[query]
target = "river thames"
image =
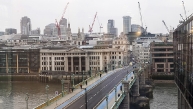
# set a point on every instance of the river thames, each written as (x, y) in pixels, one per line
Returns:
(164, 96)
(12, 95)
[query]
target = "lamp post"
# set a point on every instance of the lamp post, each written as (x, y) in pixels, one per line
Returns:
(26, 99)
(107, 100)
(85, 98)
(115, 94)
(73, 80)
(47, 86)
(83, 77)
(62, 81)
(127, 75)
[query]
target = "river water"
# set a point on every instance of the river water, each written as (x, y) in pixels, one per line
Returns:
(164, 96)
(12, 95)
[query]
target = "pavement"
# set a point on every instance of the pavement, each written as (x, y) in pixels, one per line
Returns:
(75, 92)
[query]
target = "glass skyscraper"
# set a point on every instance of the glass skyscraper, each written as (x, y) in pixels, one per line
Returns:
(183, 63)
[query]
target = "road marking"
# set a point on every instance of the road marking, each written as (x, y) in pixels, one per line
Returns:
(81, 106)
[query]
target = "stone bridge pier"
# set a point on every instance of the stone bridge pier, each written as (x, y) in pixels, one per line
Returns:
(135, 97)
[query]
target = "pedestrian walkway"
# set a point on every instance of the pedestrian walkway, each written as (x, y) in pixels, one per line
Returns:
(77, 92)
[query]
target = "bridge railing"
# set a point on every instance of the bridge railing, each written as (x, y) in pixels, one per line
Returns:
(119, 100)
(101, 103)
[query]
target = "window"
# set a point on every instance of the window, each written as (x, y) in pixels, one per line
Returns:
(119, 57)
(171, 65)
(160, 65)
(160, 70)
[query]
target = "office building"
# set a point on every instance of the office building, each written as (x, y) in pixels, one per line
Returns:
(9, 31)
(49, 29)
(183, 43)
(111, 28)
(126, 24)
(19, 60)
(25, 25)
(35, 32)
(2, 33)
(162, 58)
(63, 22)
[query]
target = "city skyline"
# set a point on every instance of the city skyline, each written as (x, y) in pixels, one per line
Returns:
(78, 16)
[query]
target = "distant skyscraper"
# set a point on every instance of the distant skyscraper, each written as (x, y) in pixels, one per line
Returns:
(35, 32)
(126, 24)
(10, 31)
(63, 22)
(2, 33)
(49, 29)
(25, 25)
(111, 27)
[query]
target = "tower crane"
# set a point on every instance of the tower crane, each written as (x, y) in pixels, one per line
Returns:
(90, 27)
(182, 17)
(140, 15)
(100, 25)
(64, 11)
(57, 24)
(166, 26)
(184, 9)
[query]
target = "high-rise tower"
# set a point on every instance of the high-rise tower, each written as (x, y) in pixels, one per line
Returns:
(111, 27)
(25, 25)
(126, 24)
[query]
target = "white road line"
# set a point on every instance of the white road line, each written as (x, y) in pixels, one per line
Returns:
(81, 106)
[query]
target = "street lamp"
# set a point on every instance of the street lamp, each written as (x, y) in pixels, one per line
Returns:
(47, 86)
(62, 81)
(26, 99)
(127, 76)
(107, 100)
(85, 98)
(73, 80)
(115, 94)
(83, 77)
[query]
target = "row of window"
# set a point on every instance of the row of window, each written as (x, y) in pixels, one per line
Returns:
(63, 53)
(118, 42)
(94, 63)
(91, 57)
(50, 63)
(114, 57)
(94, 57)
(56, 68)
(80, 53)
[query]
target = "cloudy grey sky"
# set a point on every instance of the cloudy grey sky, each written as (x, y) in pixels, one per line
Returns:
(80, 13)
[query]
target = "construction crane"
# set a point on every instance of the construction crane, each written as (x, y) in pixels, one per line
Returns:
(57, 24)
(100, 25)
(64, 11)
(140, 15)
(184, 9)
(90, 27)
(166, 26)
(182, 17)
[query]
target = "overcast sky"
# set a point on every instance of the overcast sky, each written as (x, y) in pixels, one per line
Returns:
(80, 13)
